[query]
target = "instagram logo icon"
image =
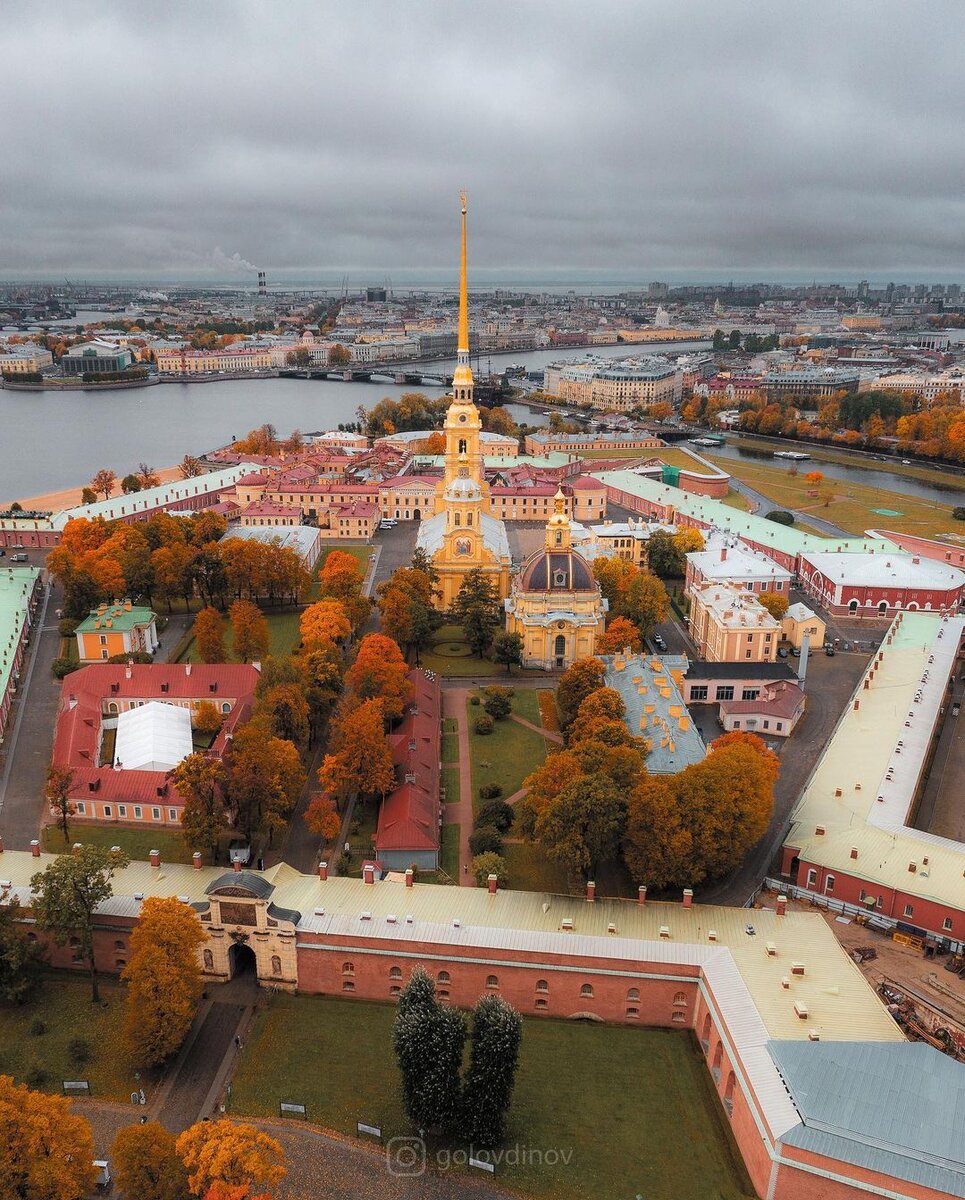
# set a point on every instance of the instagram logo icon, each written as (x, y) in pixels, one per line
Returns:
(406, 1156)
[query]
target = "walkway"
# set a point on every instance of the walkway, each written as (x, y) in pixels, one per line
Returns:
(546, 733)
(454, 701)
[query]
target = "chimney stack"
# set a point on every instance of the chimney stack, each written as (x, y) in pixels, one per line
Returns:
(236, 863)
(1, 843)
(723, 554)
(642, 894)
(35, 848)
(368, 873)
(688, 897)
(492, 882)
(155, 857)
(590, 891)
(781, 905)
(196, 860)
(323, 870)
(409, 877)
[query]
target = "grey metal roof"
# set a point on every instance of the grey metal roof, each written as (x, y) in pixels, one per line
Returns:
(251, 881)
(895, 1107)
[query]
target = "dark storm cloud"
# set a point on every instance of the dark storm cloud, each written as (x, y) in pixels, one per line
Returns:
(686, 135)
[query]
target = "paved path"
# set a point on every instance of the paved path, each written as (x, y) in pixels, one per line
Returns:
(454, 702)
(30, 739)
(547, 733)
(513, 799)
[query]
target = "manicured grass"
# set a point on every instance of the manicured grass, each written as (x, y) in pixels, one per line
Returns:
(449, 850)
(736, 500)
(852, 504)
(282, 632)
(450, 747)
(617, 1103)
(526, 704)
(512, 752)
(138, 843)
(531, 870)
(64, 1005)
(547, 710)
(450, 781)
(450, 655)
(891, 466)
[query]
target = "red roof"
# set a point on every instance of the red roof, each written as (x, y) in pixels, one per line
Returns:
(780, 699)
(86, 693)
(586, 483)
(409, 817)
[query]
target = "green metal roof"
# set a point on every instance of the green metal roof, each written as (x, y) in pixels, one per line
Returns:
(16, 588)
(117, 618)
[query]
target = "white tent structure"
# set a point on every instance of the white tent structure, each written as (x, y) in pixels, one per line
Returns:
(153, 737)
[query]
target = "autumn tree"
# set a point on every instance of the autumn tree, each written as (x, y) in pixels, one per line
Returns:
(209, 630)
(250, 637)
(57, 792)
(477, 609)
(380, 672)
(46, 1151)
(67, 894)
(129, 484)
(340, 576)
(776, 603)
(583, 826)
(282, 711)
(324, 621)
(163, 978)
(199, 781)
(406, 604)
(602, 702)
(264, 780)
(322, 818)
(360, 758)
(230, 1152)
(322, 667)
(619, 635)
(146, 1165)
(189, 467)
(701, 822)
(206, 719)
(647, 602)
(576, 683)
(21, 960)
(614, 576)
(103, 482)
(147, 476)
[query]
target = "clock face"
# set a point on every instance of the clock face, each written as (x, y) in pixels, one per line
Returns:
(463, 546)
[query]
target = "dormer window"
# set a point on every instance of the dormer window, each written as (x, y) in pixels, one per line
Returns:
(559, 579)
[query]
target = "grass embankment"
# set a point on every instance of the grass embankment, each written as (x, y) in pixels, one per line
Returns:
(64, 1006)
(510, 752)
(867, 462)
(640, 1096)
(137, 843)
(851, 505)
(736, 500)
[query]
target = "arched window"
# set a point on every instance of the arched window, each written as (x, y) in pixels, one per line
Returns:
(633, 1013)
(457, 518)
(395, 972)
(443, 994)
(492, 981)
(729, 1093)
(463, 446)
(120, 963)
(275, 964)
(680, 998)
(348, 968)
(587, 991)
(542, 1003)
(542, 985)
(882, 606)
(852, 606)
(348, 986)
(118, 945)
(226, 708)
(560, 644)
(705, 1033)
(444, 977)
(468, 518)
(633, 994)
(31, 937)
(395, 990)
(208, 959)
(112, 707)
(718, 1059)
(559, 537)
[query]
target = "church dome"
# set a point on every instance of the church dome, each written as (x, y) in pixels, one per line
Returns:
(556, 571)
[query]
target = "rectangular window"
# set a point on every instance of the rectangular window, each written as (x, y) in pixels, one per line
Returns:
(156, 814)
(750, 637)
(750, 693)
(122, 810)
(103, 639)
(137, 811)
(947, 923)
(767, 724)
(780, 726)
(767, 637)
(108, 811)
(812, 878)
(81, 808)
(699, 692)
(909, 910)
(172, 814)
(748, 654)
(725, 692)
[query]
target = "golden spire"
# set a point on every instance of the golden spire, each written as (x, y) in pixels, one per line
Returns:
(462, 378)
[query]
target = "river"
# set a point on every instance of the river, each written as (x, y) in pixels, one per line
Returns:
(55, 439)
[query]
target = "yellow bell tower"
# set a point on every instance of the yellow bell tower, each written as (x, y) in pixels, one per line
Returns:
(462, 536)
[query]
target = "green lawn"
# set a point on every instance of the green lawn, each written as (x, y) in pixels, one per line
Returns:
(449, 850)
(526, 704)
(736, 500)
(282, 632)
(851, 505)
(64, 1005)
(450, 781)
(138, 843)
(530, 870)
(617, 1104)
(509, 753)
(450, 747)
(450, 655)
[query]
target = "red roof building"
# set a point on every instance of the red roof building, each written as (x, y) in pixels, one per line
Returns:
(408, 829)
(92, 700)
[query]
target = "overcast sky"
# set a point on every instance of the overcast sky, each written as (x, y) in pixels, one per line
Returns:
(688, 136)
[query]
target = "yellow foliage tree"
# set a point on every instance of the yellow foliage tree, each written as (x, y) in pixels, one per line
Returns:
(46, 1151)
(324, 621)
(236, 1154)
(146, 1163)
(163, 978)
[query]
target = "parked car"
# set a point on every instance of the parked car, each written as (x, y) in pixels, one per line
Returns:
(829, 650)
(659, 642)
(782, 652)
(18, 558)
(795, 652)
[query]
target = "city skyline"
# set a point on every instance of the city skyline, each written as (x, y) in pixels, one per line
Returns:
(695, 144)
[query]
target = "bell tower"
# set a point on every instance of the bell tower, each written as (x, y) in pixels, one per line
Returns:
(558, 533)
(463, 424)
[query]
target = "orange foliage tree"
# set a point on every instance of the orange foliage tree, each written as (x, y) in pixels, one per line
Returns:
(322, 818)
(209, 631)
(146, 1164)
(233, 1153)
(45, 1150)
(361, 760)
(250, 629)
(323, 621)
(619, 634)
(380, 672)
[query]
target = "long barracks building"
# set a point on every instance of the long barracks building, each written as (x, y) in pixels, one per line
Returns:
(824, 1096)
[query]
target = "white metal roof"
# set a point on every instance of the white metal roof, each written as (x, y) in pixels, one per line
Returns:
(152, 737)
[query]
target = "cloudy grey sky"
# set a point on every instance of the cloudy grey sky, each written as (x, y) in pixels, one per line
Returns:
(687, 136)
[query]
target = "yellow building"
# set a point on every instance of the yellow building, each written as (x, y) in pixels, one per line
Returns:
(555, 604)
(461, 536)
(731, 625)
(800, 622)
(116, 629)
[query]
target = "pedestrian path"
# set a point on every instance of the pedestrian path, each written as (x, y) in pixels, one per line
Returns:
(454, 702)
(547, 733)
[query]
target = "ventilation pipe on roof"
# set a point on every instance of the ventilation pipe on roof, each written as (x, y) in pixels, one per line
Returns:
(196, 860)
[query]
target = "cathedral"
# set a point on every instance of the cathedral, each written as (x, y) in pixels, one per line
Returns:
(554, 602)
(462, 536)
